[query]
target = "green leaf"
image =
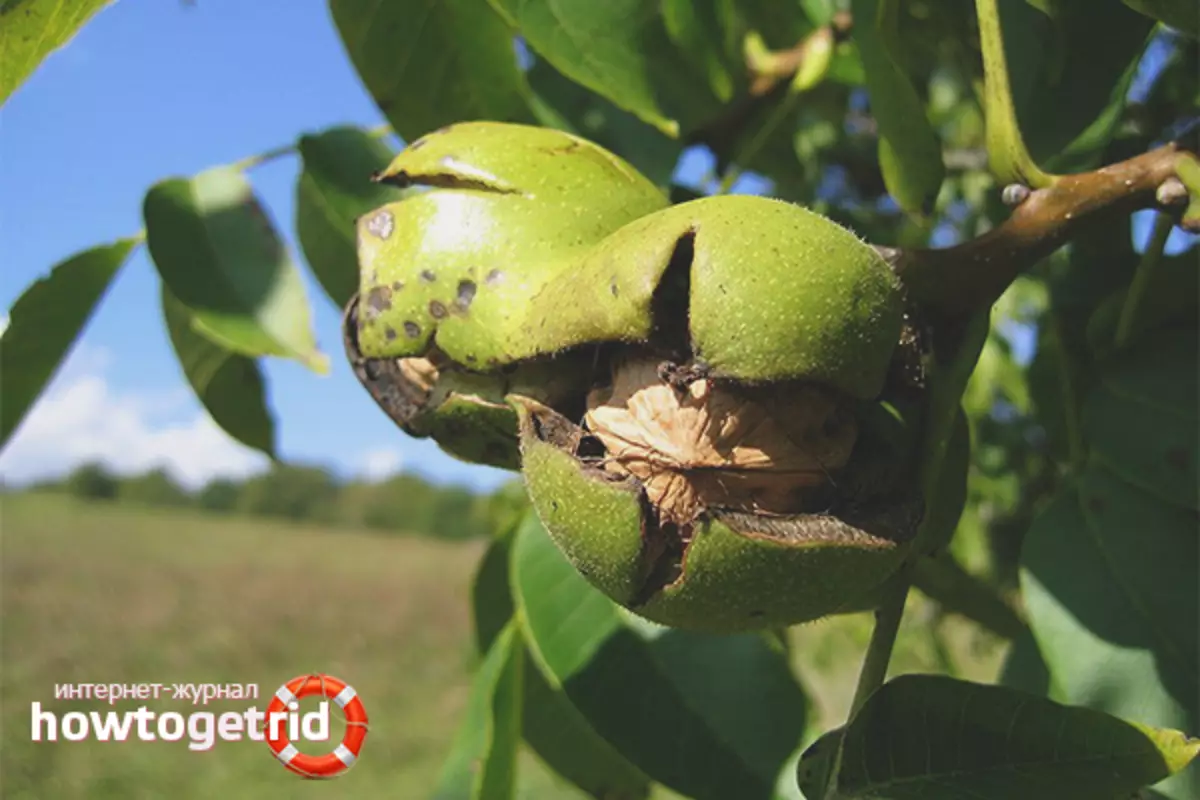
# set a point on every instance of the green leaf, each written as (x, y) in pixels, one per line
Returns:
(229, 385)
(812, 771)
(663, 698)
(551, 725)
(1182, 15)
(695, 29)
(1008, 155)
(1169, 296)
(334, 189)
(1110, 582)
(46, 320)
(1069, 74)
(563, 104)
(430, 63)
(482, 764)
(31, 29)
(218, 252)
(909, 150)
(931, 736)
(604, 46)
(1141, 421)
(1026, 670)
(943, 580)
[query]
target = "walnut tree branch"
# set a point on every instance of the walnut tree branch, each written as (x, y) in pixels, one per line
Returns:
(970, 276)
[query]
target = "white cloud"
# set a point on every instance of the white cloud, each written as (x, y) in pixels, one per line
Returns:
(83, 418)
(378, 465)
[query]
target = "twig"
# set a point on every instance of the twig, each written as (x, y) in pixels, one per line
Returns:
(879, 655)
(961, 279)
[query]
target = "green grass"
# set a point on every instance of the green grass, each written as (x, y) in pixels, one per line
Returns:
(110, 594)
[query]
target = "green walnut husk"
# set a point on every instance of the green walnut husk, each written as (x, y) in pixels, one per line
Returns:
(510, 208)
(438, 332)
(714, 402)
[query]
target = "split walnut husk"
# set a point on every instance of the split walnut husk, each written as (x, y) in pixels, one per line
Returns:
(716, 506)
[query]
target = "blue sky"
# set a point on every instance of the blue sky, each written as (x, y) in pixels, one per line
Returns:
(149, 89)
(152, 88)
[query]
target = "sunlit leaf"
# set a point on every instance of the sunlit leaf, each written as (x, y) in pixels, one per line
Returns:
(45, 321)
(551, 725)
(909, 150)
(429, 63)
(230, 386)
(31, 29)
(483, 759)
(568, 106)
(663, 698)
(219, 253)
(606, 46)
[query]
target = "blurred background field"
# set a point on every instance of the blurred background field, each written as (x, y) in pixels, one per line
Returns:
(97, 591)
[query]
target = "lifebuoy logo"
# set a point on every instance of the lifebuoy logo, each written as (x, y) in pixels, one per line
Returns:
(283, 708)
(281, 725)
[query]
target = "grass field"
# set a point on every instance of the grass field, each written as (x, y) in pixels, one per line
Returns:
(97, 594)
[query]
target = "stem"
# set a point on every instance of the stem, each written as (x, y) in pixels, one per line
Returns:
(258, 159)
(1141, 278)
(879, 653)
(1010, 158)
(883, 639)
(961, 279)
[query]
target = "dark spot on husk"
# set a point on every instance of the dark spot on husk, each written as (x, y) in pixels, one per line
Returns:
(379, 300)
(418, 144)
(412, 330)
(397, 286)
(612, 287)
(389, 334)
(428, 276)
(471, 357)
(437, 310)
(493, 277)
(381, 223)
(466, 293)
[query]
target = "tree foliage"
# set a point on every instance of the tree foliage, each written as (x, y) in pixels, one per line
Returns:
(994, 153)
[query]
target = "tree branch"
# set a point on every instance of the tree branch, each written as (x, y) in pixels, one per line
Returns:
(961, 279)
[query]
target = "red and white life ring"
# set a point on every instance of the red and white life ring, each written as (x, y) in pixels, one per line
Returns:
(345, 754)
